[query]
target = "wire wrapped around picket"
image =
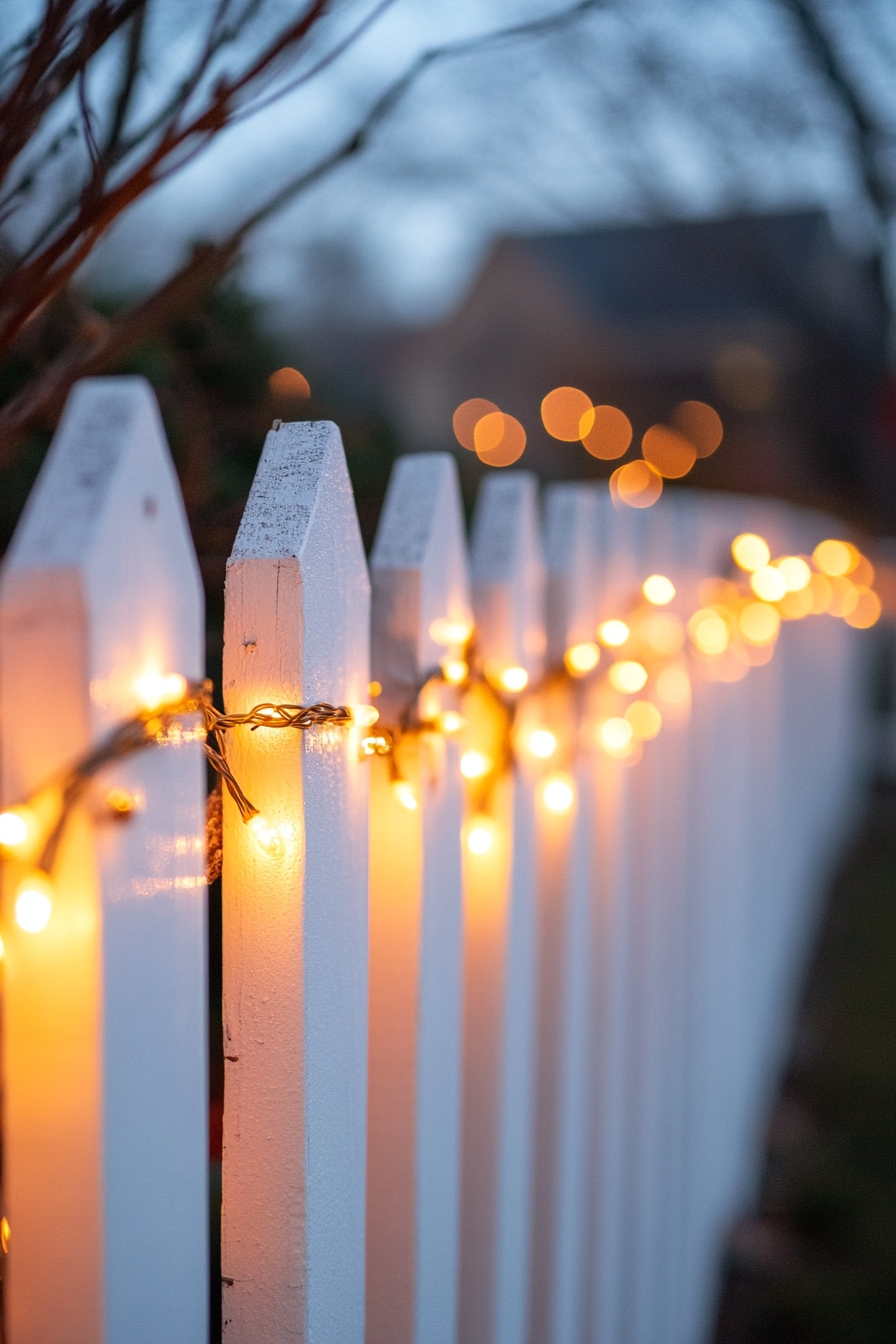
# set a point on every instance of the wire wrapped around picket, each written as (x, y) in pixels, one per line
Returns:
(160, 725)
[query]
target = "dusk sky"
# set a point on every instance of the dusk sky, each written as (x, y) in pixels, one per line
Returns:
(639, 109)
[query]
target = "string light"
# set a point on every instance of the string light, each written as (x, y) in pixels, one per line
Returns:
(156, 690)
(404, 792)
(542, 743)
(750, 551)
(834, 558)
(273, 840)
(513, 679)
(365, 716)
(613, 633)
(456, 631)
(480, 835)
(580, 659)
(627, 677)
(768, 583)
(745, 619)
(34, 902)
(475, 764)
(795, 572)
(558, 793)
(658, 590)
(16, 826)
(454, 670)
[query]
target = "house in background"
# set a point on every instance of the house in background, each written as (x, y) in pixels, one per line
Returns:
(769, 318)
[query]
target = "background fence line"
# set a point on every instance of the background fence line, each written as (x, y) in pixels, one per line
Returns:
(537, 1118)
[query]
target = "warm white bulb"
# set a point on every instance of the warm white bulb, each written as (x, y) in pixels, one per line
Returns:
(475, 764)
(270, 838)
(454, 670)
(480, 836)
(542, 743)
(796, 573)
(404, 792)
(14, 828)
(750, 551)
(627, 677)
(614, 633)
(155, 689)
(450, 722)
(615, 736)
(558, 793)
(658, 589)
(514, 679)
(580, 659)
(768, 583)
(365, 716)
(448, 630)
(34, 903)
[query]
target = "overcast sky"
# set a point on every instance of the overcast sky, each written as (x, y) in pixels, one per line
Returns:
(643, 109)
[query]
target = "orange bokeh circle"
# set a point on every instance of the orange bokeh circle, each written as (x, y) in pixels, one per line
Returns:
(466, 417)
(636, 484)
(609, 435)
(699, 423)
(567, 414)
(289, 383)
(499, 439)
(668, 452)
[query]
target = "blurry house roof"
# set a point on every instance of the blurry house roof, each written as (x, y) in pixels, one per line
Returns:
(782, 266)
(644, 317)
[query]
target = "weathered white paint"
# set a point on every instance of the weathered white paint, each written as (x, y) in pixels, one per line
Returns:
(295, 920)
(419, 572)
(105, 1093)
(499, 952)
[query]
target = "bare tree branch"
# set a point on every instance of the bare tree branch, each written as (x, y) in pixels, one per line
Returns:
(210, 263)
(867, 131)
(40, 273)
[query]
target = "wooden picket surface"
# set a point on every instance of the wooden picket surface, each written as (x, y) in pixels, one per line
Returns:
(105, 1093)
(295, 907)
(503, 1001)
(419, 573)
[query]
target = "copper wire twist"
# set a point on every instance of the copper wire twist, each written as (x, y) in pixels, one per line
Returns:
(150, 728)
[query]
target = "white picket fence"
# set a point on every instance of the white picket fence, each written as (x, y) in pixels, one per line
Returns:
(496, 1090)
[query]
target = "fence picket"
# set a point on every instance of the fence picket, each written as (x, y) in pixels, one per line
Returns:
(295, 906)
(105, 1145)
(419, 571)
(499, 953)
(501, 1074)
(565, 929)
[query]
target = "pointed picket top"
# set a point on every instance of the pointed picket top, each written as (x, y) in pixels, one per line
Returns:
(301, 507)
(105, 1034)
(570, 533)
(508, 572)
(296, 631)
(107, 506)
(420, 571)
